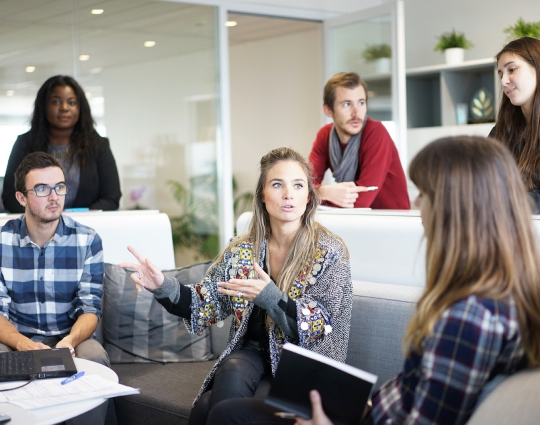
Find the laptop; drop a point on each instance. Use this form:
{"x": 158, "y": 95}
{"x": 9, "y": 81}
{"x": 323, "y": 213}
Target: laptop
{"x": 24, "y": 365}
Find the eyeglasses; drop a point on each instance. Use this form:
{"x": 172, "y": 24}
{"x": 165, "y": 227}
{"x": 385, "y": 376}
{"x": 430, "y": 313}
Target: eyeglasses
{"x": 42, "y": 191}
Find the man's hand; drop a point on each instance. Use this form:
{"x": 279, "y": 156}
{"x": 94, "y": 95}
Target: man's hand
{"x": 342, "y": 194}
{"x": 31, "y": 345}
{"x": 318, "y": 415}
{"x": 67, "y": 342}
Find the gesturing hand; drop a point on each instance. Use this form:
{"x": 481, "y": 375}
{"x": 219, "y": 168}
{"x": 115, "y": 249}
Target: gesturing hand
{"x": 146, "y": 274}
{"x": 247, "y": 289}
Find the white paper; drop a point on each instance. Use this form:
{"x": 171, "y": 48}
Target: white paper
{"x": 50, "y": 392}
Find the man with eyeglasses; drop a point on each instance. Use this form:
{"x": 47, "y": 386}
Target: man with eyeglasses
{"x": 51, "y": 269}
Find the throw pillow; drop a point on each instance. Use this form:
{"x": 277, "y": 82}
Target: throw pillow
{"x": 137, "y": 329}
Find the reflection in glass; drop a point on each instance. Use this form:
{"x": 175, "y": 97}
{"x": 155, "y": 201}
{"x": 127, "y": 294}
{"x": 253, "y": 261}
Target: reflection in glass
{"x": 364, "y": 47}
{"x": 156, "y": 103}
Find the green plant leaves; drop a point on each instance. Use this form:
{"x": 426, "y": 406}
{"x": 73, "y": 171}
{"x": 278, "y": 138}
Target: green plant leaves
{"x": 453, "y": 39}
{"x": 522, "y": 29}
{"x": 377, "y": 51}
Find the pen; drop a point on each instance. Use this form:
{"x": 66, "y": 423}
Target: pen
{"x": 72, "y": 378}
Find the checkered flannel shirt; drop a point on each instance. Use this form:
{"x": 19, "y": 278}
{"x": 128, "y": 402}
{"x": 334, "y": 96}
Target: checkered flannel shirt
{"x": 473, "y": 341}
{"x": 44, "y": 290}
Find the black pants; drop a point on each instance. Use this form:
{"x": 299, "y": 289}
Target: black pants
{"x": 238, "y": 376}
{"x": 245, "y": 411}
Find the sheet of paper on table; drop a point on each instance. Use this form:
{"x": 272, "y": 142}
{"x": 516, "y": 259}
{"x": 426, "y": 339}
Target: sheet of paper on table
{"x": 50, "y": 392}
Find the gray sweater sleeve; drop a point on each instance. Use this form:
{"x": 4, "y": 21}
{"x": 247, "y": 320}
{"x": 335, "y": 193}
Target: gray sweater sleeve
{"x": 275, "y": 303}
{"x": 170, "y": 289}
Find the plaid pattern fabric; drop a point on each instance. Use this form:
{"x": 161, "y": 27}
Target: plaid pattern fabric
{"x": 44, "y": 290}
{"x": 473, "y": 341}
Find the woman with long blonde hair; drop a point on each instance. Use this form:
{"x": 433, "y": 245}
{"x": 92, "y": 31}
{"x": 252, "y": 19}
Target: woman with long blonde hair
{"x": 287, "y": 280}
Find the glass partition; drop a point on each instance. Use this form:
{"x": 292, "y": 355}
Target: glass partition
{"x": 365, "y": 47}
{"x": 150, "y": 72}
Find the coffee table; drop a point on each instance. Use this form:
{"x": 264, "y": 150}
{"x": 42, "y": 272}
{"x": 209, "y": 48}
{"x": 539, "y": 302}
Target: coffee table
{"x": 55, "y": 414}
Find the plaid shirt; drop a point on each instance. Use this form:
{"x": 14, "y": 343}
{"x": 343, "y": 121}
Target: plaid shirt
{"x": 473, "y": 341}
{"x": 44, "y": 290}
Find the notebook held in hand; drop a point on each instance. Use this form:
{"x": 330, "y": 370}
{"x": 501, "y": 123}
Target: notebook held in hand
{"x": 344, "y": 389}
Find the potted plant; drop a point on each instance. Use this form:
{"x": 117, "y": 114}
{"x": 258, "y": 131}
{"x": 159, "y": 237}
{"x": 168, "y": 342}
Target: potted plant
{"x": 453, "y": 44}
{"x": 380, "y": 55}
{"x": 522, "y": 29}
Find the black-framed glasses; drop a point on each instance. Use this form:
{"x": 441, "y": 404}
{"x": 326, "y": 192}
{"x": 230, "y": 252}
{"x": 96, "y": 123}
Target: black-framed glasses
{"x": 42, "y": 191}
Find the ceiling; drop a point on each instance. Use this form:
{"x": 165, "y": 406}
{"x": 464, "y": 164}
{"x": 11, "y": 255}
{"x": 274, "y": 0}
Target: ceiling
{"x": 51, "y": 34}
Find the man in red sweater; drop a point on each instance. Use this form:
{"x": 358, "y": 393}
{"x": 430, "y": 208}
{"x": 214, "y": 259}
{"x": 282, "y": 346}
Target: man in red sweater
{"x": 359, "y": 151}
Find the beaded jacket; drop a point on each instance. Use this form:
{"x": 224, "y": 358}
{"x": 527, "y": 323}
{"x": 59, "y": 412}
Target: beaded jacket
{"x": 322, "y": 292}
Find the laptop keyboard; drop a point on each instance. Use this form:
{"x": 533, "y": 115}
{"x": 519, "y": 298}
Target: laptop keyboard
{"x": 16, "y": 363}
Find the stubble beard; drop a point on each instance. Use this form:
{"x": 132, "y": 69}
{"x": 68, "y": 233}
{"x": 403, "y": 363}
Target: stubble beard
{"x": 40, "y": 217}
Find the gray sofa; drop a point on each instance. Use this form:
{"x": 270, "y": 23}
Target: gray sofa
{"x": 379, "y": 319}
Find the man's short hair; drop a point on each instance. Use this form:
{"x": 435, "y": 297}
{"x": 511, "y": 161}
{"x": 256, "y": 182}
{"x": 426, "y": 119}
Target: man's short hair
{"x": 348, "y": 80}
{"x": 32, "y": 161}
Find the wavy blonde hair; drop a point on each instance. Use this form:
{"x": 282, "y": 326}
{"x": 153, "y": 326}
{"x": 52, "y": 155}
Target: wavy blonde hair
{"x": 304, "y": 246}
{"x": 480, "y": 237}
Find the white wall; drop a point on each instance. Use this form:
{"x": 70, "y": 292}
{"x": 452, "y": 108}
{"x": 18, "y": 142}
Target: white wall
{"x": 149, "y": 115}
{"x": 276, "y": 99}
{"x": 482, "y": 21}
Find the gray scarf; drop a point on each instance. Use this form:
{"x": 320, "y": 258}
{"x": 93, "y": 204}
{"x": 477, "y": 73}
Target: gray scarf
{"x": 345, "y": 163}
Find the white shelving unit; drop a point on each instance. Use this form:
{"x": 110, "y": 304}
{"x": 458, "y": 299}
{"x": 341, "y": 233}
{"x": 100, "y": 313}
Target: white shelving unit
{"x": 432, "y": 95}
{"x": 434, "y": 91}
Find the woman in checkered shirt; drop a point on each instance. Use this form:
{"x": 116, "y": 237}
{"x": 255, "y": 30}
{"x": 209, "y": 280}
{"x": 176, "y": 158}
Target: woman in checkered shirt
{"x": 482, "y": 296}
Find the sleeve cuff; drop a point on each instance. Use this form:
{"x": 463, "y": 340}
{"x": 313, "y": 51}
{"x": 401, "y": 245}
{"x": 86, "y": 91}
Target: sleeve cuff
{"x": 170, "y": 289}
{"x": 269, "y": 297}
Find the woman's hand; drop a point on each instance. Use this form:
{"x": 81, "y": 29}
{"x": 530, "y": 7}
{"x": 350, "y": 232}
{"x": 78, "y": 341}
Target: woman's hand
{"x": 247, "y": 289}
{"x": 318, "y": 415}
{"x": 146, "y": 274}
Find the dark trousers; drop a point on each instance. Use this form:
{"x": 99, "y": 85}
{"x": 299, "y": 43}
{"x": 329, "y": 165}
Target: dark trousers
{"x": 245, "y": 411}
{"x": 238, "y": 376}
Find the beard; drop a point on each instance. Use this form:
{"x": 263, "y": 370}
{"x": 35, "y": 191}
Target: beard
{"x": 43, "y": 215}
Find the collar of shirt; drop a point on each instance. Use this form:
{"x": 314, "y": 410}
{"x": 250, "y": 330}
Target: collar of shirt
{"x": 25, "y": 237}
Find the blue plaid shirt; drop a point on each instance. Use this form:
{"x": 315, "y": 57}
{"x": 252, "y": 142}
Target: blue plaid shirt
{"x": 44, "y": 290}
{"x": 473, "y": 341}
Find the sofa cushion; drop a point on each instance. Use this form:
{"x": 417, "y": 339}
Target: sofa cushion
{"x": 380, "y": 315}
{"x": 137, "y": 329}
{"x": 167, "y": 392}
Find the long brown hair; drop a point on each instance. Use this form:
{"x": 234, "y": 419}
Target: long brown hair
{"x": 480, "y": 236}
{"x": 523, "y": 140}
{"x": 304, "y": 246}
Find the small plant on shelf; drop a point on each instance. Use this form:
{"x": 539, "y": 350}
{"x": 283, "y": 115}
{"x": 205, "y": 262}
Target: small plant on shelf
{"x": 377, "y": 51}
{"x": 522, "y": 29}
{"x": 452, "y": 40}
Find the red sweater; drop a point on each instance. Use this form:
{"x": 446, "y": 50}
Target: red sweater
{"x": 379, "y": 165}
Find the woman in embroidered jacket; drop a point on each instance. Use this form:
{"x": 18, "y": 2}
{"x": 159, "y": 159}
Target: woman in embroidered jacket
{"x": 287, "y": 280}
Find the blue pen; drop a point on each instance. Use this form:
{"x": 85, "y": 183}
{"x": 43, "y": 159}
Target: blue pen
{"x": 72, "y": 378}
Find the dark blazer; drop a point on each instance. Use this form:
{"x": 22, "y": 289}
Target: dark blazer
{"x": 99, "y": 184}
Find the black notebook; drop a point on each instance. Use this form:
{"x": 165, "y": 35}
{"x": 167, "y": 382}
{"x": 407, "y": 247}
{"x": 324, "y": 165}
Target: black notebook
{"x": 344, "y": 389}
{"x": 22, "y": 365}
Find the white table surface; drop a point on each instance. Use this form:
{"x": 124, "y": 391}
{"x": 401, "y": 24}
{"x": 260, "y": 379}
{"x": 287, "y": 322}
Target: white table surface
{"x": 53, "y": 415}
